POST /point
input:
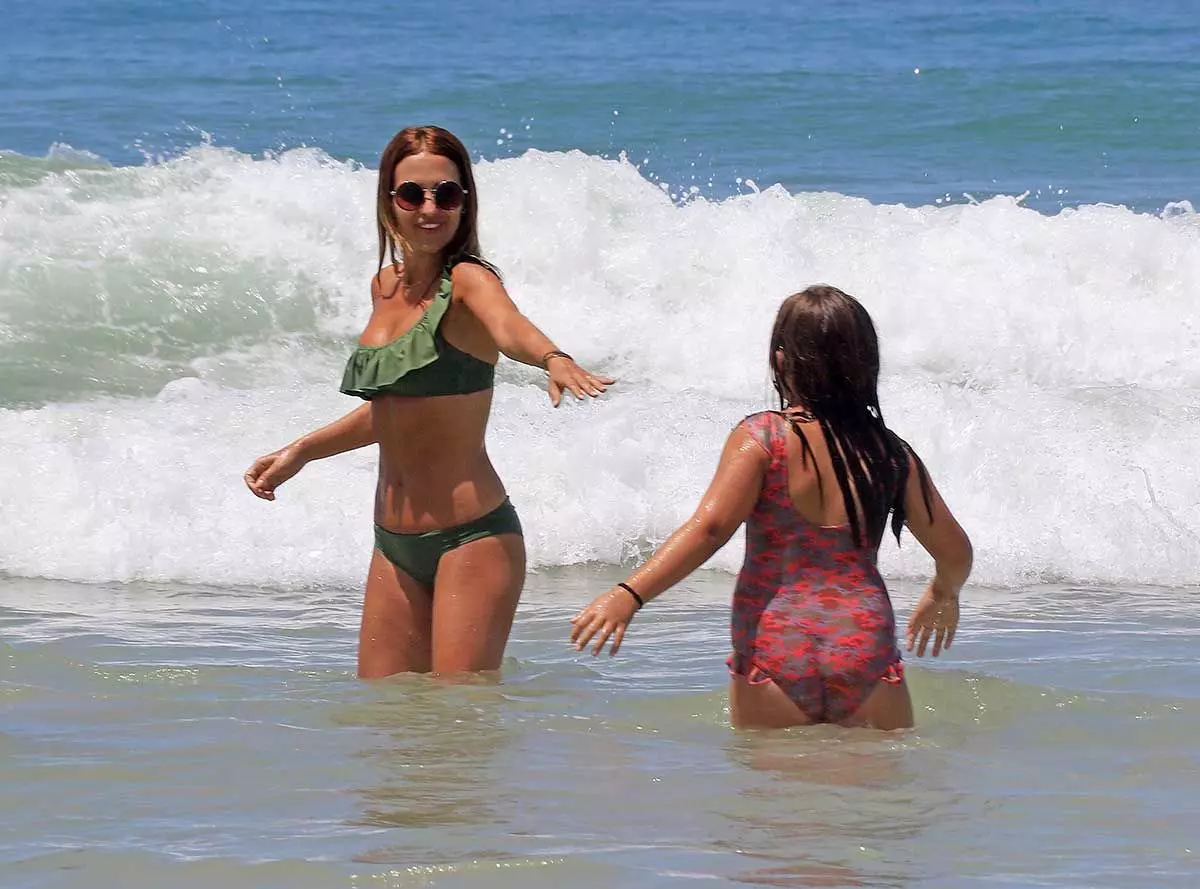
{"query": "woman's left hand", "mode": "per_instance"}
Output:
(609, 616)
(935, 615)
(565, 374)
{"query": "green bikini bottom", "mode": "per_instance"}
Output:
(417, 554)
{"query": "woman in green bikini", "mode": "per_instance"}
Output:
(449, 559)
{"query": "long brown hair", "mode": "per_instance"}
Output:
(428, 140)
(825, 358)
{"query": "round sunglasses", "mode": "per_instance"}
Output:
(447, 195)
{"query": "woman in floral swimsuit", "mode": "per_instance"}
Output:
(814, 637)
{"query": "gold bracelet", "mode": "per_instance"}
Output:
(554, 353)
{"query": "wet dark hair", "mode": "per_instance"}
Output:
(825, 359)
(427, 140)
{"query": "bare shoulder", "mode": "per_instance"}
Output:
(472, 279)
(384, 282)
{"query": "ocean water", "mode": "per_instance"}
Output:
(185, 241)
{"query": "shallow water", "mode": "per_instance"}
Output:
(202, 736)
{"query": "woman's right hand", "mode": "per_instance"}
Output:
(270, 471)
(608, 615)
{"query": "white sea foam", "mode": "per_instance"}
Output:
(163, 325)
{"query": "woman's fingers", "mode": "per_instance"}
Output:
(579, 383)
(587, 632)
(596, 386)
(923, 641)
(579, 622)
(256, 479)
(599, 629)
(945, 636)
(618, 638)
(606, 631)
(941, 632)
(251, 475)
(599, 623)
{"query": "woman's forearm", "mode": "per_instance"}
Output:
(522, 341)
(951, 573)
(355, 430)
(682, 553)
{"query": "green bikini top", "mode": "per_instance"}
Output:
(419, 362)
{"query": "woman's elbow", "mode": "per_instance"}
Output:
(713, 531)
(962, 559)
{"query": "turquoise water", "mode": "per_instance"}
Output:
(185, 239)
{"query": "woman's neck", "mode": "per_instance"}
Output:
(420, 268)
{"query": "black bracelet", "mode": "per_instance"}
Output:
(556, 353)
(627, 588)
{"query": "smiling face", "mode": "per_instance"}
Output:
(428, 228)
(425, 157)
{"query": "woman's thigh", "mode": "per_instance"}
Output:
(475, 599)
(759, 705)
(397, 619)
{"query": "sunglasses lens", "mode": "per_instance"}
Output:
(449, 195)
(409, 195)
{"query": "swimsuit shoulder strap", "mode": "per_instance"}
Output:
(766, 428)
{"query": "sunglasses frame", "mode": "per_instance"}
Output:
(429, 193)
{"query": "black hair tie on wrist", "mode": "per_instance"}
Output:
(627, 588)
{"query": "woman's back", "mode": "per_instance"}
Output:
(810, 609)
(809, 471)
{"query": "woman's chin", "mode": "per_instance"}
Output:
(429, 242)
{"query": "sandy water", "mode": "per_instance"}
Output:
(200, 736)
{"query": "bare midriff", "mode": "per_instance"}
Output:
(434, 471)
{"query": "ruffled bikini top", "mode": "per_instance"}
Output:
(419, 362)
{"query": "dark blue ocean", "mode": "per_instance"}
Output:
(1072, 102)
